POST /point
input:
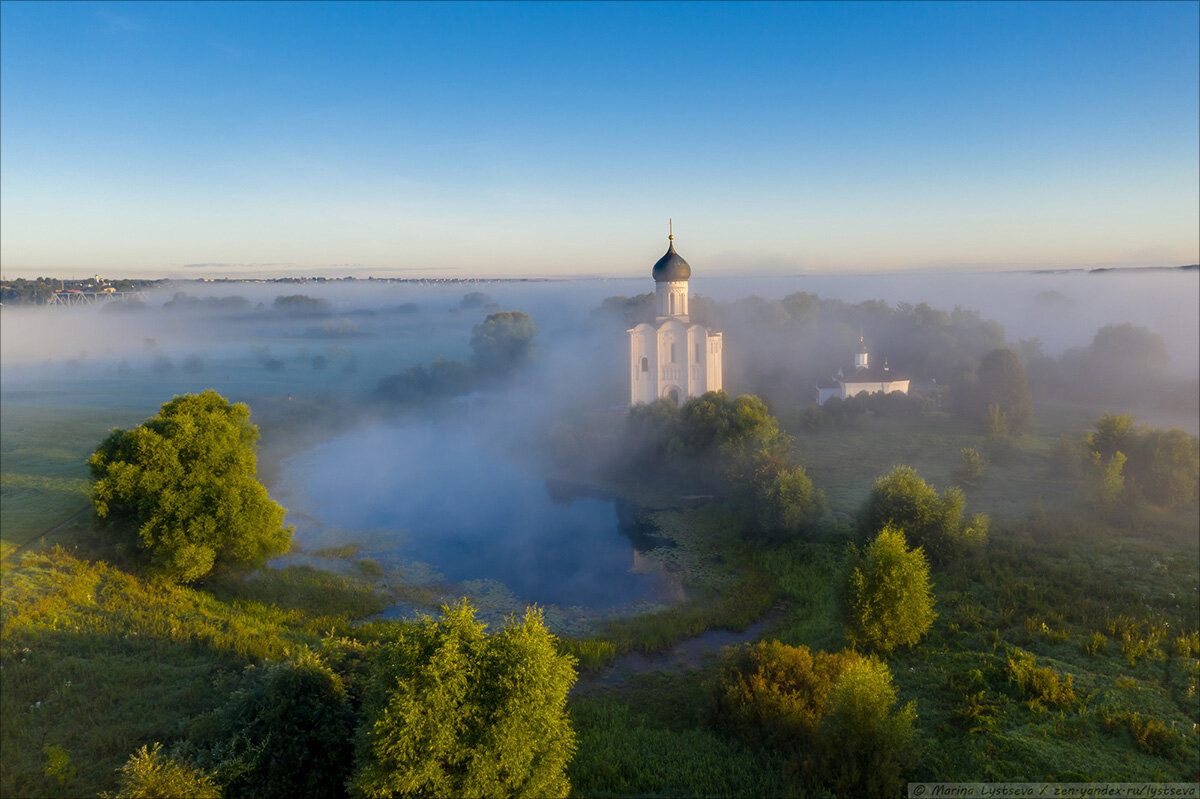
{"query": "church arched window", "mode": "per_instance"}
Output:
(699, 354)
(645, 364)
(674, 354)
(671, 300)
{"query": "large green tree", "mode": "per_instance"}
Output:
(1000, 398)
(889, 600)
(1163, 466)
(456, 712)
(180, 489)
(784, 502)
(903, 500)
(502, 342)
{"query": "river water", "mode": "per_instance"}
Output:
(442, 493)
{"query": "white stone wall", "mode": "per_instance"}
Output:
(643, 351)
(671, 299)
(714, 364)
(825, 394)
(853, 389)
(677, 356)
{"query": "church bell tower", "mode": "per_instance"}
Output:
(672, 358)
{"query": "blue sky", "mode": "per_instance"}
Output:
(209, 139)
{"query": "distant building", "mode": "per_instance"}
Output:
(673, 357)
(862, 378)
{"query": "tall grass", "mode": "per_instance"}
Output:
(622, 754)
(97, 662)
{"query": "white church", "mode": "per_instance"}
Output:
(672, 358)
(863, 378)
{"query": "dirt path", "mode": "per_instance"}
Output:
(23, 545)
(687, 655)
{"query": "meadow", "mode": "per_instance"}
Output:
(1067, 649)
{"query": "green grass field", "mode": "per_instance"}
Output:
(98, 661)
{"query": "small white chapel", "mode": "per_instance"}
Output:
(863, 378)
(672, 358)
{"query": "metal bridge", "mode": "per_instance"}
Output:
(71, 297)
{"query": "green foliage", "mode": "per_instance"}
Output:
(832, 712)
(58, 764)
(290, 734)
(889, 600)
(733, 447)
(1095, 644)
(774, 695)
(741, 430)
(417, 384)
(1042, 685)
(150, 774)
(1151, 735)
(302, 305)
(316, 592)
(181, 489)
(1000, 399)
(1162, 466)
(474, 299)
(903, 500)
(1114, 433)
(628, 311)
(502, 342)
(1120, 352)
(1105, 482)
(455, 712)
(865, 742)
(99, 661)
(784, 502)
(972, 467)
(626, 753)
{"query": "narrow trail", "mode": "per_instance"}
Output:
(687, 655)
(23, 545)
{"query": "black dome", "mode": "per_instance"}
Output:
(671, 267)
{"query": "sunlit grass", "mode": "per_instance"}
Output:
(99, 662)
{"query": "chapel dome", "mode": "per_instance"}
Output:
(671, 266)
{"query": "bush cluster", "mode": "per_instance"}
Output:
(732, 448)
(903, 500)
(833, 713)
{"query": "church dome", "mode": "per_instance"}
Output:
(671, 266)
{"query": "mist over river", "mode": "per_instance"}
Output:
(436, 491)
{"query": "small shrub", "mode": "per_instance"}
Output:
(1139, 639)
(1035, 626)
(774, 695)
(1186, 645)
(970, 471)
(369, 568)
(1041, 684)
(1096, 644)
(150, 774)
(58, 764)
(1152, 736)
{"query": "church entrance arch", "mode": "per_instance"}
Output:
(673, 394)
